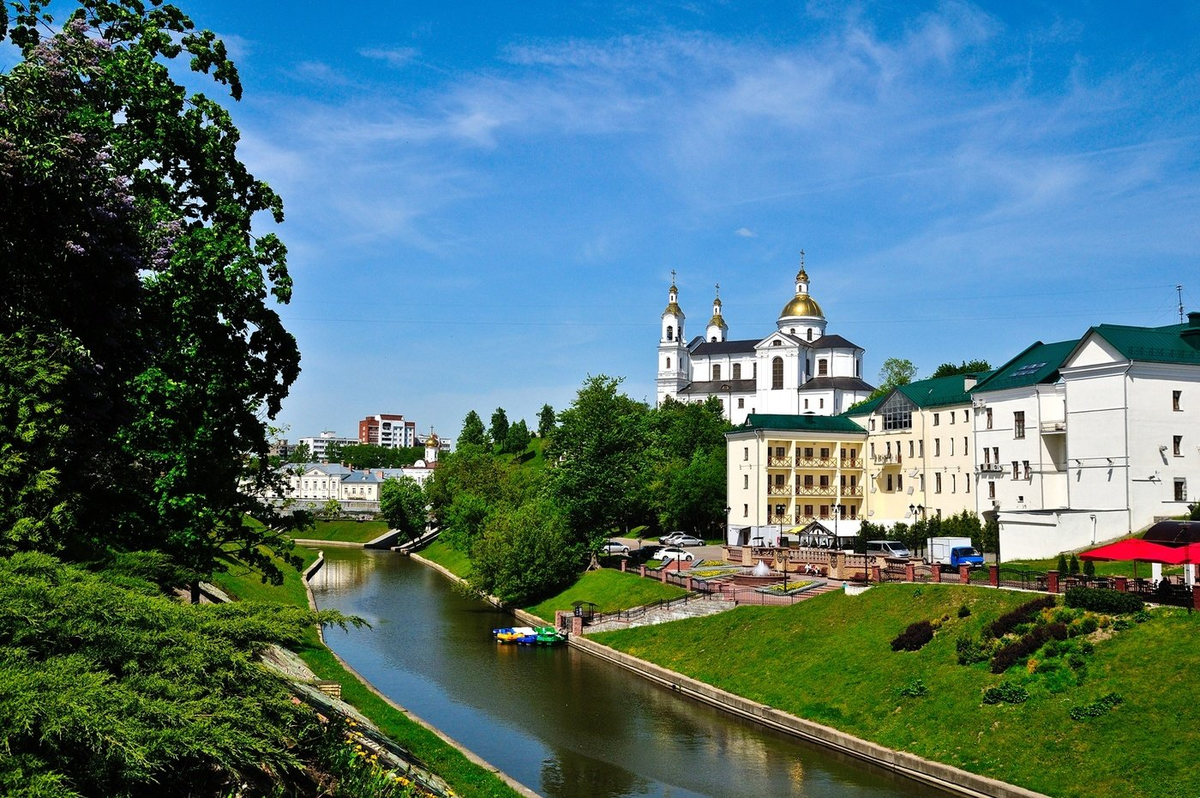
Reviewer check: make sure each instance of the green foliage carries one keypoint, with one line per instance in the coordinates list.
(895, 372)
(525, 553)
(1006, 693)
(136, 275)
(914, 689)
(402, 505)
(1099, 707)
(1089, 568)
(369, 455)
(472, 431)
(1073, 566)
(1100, 600)
(109, 688)
(969, 650)
(499, 428)
(914, 637)
(300, 454)
(966, 367)
(545, 422)
(516, 440)
(696, 494)
(610, 590)
(1061, 566)
(964, 611)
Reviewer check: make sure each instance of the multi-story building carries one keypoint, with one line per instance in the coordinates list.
(318, 446)
(919, 450)
(796, 369)
(388, 430)
(787, 471)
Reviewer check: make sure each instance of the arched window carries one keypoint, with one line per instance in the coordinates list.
(668, 364)
(737, 371)
(822, 368)
(670, 333)
(777, 374)
(716, 372)
(810, 333)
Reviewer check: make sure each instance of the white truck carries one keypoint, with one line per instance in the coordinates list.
(952, 552)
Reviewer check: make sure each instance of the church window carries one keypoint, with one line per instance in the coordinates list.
(792, 331)
(713, 339)
(822, 400)
(777, 373)
(822, 368)
(777, 342)
(716, 371)
(805, 404)
(741, 403)
(737, 371)
(670, 333)
(858, 368)
(754, 370)
(810, 333)
(668, 363)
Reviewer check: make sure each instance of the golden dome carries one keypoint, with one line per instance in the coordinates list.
(802, 305)
(717, 321)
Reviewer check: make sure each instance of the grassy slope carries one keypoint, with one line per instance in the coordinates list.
(346, 531)
(830, 660)
(448, 557)
(466, 778)
(609, 590)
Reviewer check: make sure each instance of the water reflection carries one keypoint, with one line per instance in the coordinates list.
(558, 720)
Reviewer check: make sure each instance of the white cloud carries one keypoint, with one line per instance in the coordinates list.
(745, 232)
(394, 56)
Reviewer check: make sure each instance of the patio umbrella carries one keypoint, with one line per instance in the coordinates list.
(1134, 549)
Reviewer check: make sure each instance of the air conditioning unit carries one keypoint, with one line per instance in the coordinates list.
(978, 403)
(910, 490)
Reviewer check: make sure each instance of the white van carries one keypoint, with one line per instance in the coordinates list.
(888, 548)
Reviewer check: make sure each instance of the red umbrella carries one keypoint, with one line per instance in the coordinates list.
(1136, 549)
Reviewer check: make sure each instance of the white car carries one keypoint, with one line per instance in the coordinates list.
(672, 553)
(670, 538)
(614, 547)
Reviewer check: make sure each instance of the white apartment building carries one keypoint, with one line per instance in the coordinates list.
(318, 446)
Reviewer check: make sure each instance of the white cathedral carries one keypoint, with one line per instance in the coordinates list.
(798, 369)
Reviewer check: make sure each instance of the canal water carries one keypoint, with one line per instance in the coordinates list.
(559, 721)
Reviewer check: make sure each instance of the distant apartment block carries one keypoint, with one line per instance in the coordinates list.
(318, 446)
(388, 430)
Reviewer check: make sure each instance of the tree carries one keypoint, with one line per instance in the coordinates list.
(402, 505)
(499, 428)
(472, 431)
(966, 367)
(300, 454)
(132, 263)
(896, 372)
(696, 494)
(527, 552)
(516, 440)
(545, 422)
(598, 456)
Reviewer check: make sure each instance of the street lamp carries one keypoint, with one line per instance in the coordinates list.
(728, 510)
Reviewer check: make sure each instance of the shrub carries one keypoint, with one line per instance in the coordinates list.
(1006, 693)
(970, 650)
(914, 689)
(914, 637)
(1084, 626)
(964, 611)
(1097, 708)
(1023, 614)
(1061, 565)
(1089, 568)
(1141, 616)
(1074, 566)
(1101, 600)
(1009, 655)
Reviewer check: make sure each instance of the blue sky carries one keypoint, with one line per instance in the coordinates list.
(485, 201)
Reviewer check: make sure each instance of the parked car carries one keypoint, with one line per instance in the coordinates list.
(686, 540)
(888, 548)
(614, 547)
(669, 538)
(644, 554)
(672, 553)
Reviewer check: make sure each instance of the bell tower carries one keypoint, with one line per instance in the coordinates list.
(717, 328)
(674, 362)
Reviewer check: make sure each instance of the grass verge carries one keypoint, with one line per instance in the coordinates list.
(829, 660)
(448, 557)
(345, 531)
(464, 776)
(609, 590)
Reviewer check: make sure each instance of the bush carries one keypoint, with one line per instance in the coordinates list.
(1084, 626)
(1141, 616)
(1074, 566)
(914, 689)
(1097, 708)
(1061, 565)
(964, 611)
(970, 650)
(1006, 693)
(1023, 614)
(1101, 600)
(914, 637)
(1009, 655)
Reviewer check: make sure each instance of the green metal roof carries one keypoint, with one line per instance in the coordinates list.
(1037, 364)
(933, 392)
(1150, 344)
(800, 423)
(865, 408)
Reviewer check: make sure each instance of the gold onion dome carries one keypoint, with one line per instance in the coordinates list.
(802, 305)
(717, 321)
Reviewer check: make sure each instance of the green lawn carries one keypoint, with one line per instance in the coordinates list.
(466, 778)
(609, 590)
(829, 659)
(448, 557)
(345, 531)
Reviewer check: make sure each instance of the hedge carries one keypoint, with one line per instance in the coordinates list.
(1103, 600)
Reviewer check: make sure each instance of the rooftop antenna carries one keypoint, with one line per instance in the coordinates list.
(1179, 293)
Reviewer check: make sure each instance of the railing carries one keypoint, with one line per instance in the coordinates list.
(851, 462)
(1049, 427)
(779, 462)
(887, 459)
(850, 490)
(814, 490)
(816, 462)
(779, 519)
(779, 490)
(990, 468)
(1022, 578)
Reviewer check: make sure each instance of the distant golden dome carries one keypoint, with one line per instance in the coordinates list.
(717, 321)
(802, 305)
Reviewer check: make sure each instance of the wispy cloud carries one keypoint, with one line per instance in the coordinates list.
(393, 56)
(745, 232)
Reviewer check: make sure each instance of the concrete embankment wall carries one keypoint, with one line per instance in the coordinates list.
(945, 777)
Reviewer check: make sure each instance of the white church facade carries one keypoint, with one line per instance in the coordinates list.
(796, 369)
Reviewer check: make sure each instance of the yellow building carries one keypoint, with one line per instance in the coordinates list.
(784, 472)
(919, 454)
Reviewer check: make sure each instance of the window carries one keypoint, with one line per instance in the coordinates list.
(966, 416)
(754, 371)
(779, 480)
(745, 482)
(935, 419)
(889, 483)
(777, 342)
(1019, 424)
(808, 510)
(780, 451)
(824, 510)
(1016, 472)
(896, 412)
(921, 483)
(805, 404)
(910, 448)
(872, 450)
(951, 442)
(937, 447)
(745, 511)
(808, 452)
(899, 482)
(937, 482)
(991, 489)
(668, 364)
(1177, 442)
(1175, 397)
(821, 402)
(954, 483)
(737, 371)
(741, 402)
(716, 372)
(824, 452)
(920, 448)
(951, 414)
(822, 367)
(996, 454)
(824, 480)
(989, 417)
(1028, 471)
(1180, 489)
(967, 485)
(808, 480)
(810, 333)
(872, 425)
(670, 333)
(777, 373)
(965, 440)
(745, 453)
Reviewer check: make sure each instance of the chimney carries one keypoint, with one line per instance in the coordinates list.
(1191, 331)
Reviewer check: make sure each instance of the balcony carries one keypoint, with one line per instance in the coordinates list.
(889, 458)
(850, 490)
(815, 462)
(990, 468)
(1053, 427)
(851, 462)
(779, 519)
(779, 490)
(814, 490)
(779, 462)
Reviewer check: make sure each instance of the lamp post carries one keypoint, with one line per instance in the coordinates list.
(728, 510)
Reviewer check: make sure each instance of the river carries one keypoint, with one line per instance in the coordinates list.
(557, 720)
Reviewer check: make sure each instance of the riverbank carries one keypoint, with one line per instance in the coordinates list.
(945, 777)
(467, 774)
